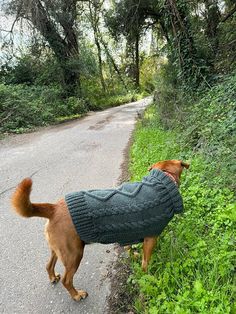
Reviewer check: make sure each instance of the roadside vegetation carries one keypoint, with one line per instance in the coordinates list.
(26, 107)
(193, 267)
(33, 93)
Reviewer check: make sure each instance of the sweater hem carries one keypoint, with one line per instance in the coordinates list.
(81, 219)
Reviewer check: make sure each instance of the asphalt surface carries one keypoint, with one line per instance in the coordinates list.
(82, 154)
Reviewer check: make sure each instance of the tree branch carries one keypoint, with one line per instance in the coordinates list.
(229, 14)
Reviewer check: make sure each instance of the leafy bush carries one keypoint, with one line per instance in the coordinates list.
(192, 268)
(23, 107)
(211, 129)
(31, 70)
(33, 91)
(148, 73)
(207, 121)
(168, 96)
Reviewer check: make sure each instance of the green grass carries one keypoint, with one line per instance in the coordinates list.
(68, 118)
(108, 101)
(192, 268)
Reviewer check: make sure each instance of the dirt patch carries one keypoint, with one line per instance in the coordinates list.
(125, 175)
(121, 298)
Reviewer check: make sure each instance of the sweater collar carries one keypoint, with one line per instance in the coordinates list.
(163, 174)
(171, 186)
(172, 177)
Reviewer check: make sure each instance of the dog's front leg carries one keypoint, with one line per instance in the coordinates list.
(148, 246)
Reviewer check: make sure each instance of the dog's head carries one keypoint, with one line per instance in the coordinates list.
(173, 167)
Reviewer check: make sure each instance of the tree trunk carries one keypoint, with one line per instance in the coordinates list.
(137, 72)
(100, 64)
(113, 62)
(94, 9)
(212, 22)
(65, 49)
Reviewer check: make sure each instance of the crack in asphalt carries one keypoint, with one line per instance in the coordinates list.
(102, 123)
(13, 187)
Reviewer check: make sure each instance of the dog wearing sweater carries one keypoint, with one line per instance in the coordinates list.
(133, 212)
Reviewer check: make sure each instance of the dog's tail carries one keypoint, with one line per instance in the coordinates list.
(23, 206)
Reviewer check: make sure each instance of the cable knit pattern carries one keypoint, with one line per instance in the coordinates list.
(128, 213)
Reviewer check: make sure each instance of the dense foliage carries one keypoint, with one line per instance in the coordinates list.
(192, 268)
(195, 35)
(24, 107)
(207, 120)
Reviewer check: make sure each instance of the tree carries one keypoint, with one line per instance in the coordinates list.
(173, 18)
(182, 39)
(56, 22)
(95, 7)
(127, 19)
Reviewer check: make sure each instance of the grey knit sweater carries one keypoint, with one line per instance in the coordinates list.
(128, 213)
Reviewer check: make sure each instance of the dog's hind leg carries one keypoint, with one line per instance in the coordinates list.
(71, 266)
(148, 246)
(54, 278)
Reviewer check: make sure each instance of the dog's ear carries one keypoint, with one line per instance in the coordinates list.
(150, 168)
(168, 164)
(184, 164)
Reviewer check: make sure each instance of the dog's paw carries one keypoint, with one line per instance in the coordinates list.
(81, 294)
(56, 279)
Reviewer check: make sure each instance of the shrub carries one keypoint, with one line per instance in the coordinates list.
(23, 107)
(207, 122)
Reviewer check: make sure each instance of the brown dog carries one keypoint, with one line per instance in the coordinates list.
(60, 232)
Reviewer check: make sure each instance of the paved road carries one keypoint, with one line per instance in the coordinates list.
(82, 154)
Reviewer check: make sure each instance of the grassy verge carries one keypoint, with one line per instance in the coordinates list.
(116, 100)
(192, 268)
